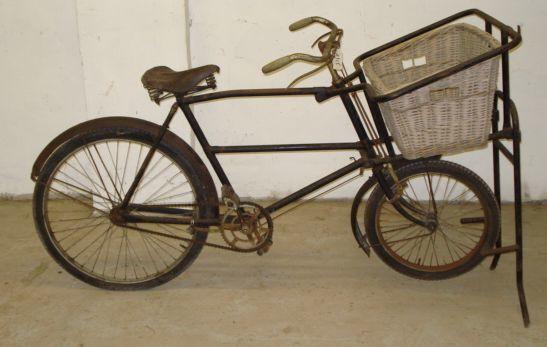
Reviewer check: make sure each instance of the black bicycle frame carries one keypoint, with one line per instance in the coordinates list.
(365, 144)
(342, 87)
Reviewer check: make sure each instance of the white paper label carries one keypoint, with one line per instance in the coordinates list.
(419, 61)
(407, 64)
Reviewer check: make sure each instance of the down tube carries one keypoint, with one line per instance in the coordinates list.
(317, 185)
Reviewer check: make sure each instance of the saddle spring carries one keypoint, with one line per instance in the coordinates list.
(157, 95)
(211, 81)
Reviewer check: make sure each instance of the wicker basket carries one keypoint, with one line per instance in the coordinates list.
(445, 117)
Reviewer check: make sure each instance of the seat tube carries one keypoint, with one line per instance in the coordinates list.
(204, 143)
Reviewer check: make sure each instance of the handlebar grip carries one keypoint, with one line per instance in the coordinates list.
(277, 64)
(301, 23)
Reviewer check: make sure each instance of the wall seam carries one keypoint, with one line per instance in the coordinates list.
(79, 42)
(188, 25)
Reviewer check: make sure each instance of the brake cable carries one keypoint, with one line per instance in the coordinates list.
(309, 73)
(372, 131)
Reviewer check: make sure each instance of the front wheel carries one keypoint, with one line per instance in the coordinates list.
(87, 178)
(459, 218)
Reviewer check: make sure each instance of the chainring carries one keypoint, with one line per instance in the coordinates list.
(247, 227)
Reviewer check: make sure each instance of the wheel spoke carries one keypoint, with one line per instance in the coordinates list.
(83, 188)
(108, 171)
(445, 243)
(90, 157)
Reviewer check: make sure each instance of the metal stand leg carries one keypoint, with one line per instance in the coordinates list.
(497, 190)
(518, 229)
(511, 131)
(510, 123)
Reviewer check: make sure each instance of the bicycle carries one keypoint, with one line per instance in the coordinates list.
(123, 203)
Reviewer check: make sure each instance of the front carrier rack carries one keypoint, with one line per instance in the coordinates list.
(508, 130)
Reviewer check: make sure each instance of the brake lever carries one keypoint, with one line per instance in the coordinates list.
(319, 39)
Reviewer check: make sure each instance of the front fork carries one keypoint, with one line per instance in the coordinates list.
(395, 198)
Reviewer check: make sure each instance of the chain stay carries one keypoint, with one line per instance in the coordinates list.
(194, 228)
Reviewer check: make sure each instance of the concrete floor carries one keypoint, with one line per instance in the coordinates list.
(314, 287)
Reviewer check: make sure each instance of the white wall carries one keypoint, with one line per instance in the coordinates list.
(63, 62)
(119, 40)
(42, 90)
(242, 35)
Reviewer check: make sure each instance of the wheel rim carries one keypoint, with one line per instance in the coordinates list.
(443, 202)
(88, 183)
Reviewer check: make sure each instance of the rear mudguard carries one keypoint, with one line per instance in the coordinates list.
(204, 175)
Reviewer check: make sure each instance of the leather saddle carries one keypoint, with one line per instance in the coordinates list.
(163, 79)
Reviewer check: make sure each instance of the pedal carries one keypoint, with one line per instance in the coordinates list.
(265, 249)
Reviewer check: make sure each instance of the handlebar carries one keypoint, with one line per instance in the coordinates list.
(304, 22)
(286, 60)
(307, 21)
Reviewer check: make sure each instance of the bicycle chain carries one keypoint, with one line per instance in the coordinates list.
(187, 239)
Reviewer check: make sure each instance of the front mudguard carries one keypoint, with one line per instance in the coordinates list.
(207, 183)
(359, 235)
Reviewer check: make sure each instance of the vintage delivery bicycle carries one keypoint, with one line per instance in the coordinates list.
(122, 203)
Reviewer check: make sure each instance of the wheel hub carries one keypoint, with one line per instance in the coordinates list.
(431, 222)
(116, 216)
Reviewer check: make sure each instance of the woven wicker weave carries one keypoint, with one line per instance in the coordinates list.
(446, 117)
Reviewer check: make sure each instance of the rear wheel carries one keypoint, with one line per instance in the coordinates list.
(86, 178)
(459, 213)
